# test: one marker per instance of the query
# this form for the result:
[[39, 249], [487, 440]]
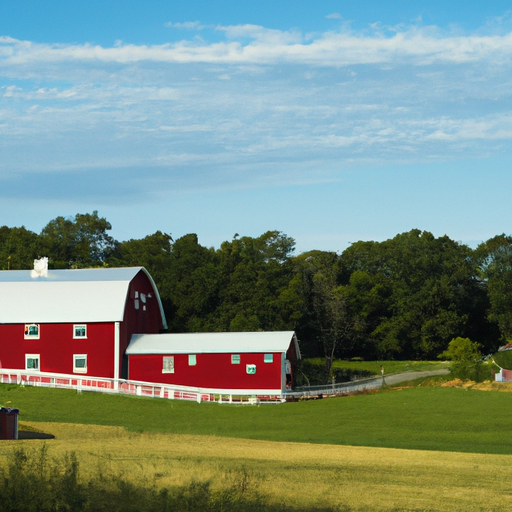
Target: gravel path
[[364, 384]]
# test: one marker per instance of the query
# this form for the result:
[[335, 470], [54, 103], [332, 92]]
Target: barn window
[[32, 362], [235, 358], [250, 369], [192, 361], [79, 331], [268, 358], [31, 331], [79, 363], [168, 364]]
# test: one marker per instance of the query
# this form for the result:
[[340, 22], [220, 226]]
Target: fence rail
[[136, 388]]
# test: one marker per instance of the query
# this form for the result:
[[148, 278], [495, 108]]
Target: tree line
[[404, 298]]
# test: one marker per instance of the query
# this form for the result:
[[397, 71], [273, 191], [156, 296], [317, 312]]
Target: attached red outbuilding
[[262, 362], [76, 321]]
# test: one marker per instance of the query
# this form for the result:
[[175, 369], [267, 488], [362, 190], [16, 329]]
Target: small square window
[[192, 361], [235, 358], [250, 369], [31, 331], [32, 362], [168, 364], [268, 358], [80, 331], [80, 363]]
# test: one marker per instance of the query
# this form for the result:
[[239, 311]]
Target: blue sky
[[330, 121]]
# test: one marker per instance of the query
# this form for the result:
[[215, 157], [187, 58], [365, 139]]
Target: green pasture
[[421, 418]]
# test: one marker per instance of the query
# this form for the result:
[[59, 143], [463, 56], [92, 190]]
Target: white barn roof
[[212, 343], [65, 296]]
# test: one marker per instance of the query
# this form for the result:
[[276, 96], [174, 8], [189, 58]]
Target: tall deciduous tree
[[254, 289], [76, 242], [495, 259], [427, 288], [18, 248]]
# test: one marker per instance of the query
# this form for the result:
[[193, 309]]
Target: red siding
[[56, 347], [145, 320], [210, 371]]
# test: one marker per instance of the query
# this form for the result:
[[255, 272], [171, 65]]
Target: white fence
[[146, 389]]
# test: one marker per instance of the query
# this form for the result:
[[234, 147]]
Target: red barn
[[75, 321], [261, 362]]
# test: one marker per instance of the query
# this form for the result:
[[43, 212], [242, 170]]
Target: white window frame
[[35, 357], [235, 358], [268, 358], [168, 364], [192, 360], [250, 369], [79, 369], [32, 336], [79, 326]]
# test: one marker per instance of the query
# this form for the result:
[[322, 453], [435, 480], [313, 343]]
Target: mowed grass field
[[419, 448], [418, 418]]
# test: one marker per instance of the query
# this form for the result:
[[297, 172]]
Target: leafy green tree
[[325, 319], [418, 293], [254, 284], [19, 248], [78, 242], [495, 260], [465, 357], [192, 284]]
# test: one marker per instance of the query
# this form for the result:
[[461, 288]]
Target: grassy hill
[[150, 455], [426, 418]]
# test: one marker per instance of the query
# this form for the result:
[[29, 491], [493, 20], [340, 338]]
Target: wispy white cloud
[[252, 44], [334, 16], [257, 106], [187, 25]]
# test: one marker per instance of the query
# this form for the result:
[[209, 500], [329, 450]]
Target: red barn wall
[[56, 347], [147, 319], [210, 371]]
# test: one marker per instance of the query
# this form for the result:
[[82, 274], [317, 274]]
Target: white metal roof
[[214, 342], [64, 296]]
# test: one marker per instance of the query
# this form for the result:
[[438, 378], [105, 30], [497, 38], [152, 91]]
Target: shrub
[[466, 359]]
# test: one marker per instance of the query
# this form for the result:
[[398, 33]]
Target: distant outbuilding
[[263, 362]]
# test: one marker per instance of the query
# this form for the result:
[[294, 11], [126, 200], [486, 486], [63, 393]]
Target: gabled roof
[[65, 296], [212, 343]]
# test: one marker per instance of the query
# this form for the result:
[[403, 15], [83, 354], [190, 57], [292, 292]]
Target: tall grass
[[34, 482], [272, 476]]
